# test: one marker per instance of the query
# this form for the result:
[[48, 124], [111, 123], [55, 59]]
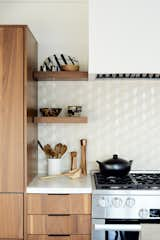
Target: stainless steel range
[[126, 208]]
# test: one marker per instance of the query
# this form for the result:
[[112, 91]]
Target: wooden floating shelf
[[61, 120], [60, 76]]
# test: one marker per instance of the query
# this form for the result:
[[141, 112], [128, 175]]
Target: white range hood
[[124, 38]]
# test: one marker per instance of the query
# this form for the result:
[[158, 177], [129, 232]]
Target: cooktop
[[149, 181]]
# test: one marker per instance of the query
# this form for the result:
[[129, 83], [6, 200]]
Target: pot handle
[[98, 162], [130, 162]]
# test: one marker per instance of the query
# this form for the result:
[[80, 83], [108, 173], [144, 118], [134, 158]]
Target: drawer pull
[[61, 215], [50, 194], [57, 235]]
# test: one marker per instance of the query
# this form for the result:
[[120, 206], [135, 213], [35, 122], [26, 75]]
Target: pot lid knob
[[115, 156]]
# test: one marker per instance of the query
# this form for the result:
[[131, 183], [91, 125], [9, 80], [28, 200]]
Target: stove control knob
[[102, 202], [130, 202], [117, 202], [143, 213]]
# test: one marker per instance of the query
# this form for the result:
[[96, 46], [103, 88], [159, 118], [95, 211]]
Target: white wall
[[59, 26]]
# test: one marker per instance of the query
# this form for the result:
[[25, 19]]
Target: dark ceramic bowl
[[74, 111], [50, 112]]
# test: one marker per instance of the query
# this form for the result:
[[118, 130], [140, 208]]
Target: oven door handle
[[117, 227]]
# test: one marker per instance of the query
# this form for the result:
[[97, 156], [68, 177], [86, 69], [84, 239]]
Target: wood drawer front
[[59, 204], [74, 224], [81, 224], [46, 237], [47, 204], [43, 224]]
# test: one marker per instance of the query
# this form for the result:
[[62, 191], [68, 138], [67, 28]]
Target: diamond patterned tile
[[124, 118]]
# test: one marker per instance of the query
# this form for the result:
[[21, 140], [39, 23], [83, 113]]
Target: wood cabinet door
[[11, 216], [11, 109]]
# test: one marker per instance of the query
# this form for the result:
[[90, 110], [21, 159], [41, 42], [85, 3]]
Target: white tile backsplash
[[123, 118]]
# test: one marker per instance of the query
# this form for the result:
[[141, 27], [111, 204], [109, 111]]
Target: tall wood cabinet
[[18, 133]]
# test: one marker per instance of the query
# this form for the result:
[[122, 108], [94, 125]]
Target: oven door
[[116, 230]]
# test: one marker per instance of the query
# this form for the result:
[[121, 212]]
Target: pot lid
[[116, 160]]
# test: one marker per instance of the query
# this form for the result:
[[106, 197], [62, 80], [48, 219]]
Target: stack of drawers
[[58, 217]]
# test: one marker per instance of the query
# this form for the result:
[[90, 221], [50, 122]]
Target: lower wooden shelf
[[61, 120]]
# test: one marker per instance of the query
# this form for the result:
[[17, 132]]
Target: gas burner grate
[[132, 181], [147, 181], [103, 182]]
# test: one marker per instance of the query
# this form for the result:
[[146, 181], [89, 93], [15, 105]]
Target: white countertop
[[60, 185]]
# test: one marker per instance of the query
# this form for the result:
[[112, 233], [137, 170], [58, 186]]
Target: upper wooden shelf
[[61, 119], [61, 76]]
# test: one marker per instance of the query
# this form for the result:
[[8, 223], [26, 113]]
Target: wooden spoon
[[57, 150], [48, 150], [63, 150]]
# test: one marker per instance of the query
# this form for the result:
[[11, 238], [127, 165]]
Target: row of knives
[[128, 75]]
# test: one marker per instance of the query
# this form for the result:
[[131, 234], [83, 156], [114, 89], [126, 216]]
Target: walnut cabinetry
[[18, 106], [66, 217], [11, 109]]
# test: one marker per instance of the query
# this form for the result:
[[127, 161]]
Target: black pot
[[115, 166]]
